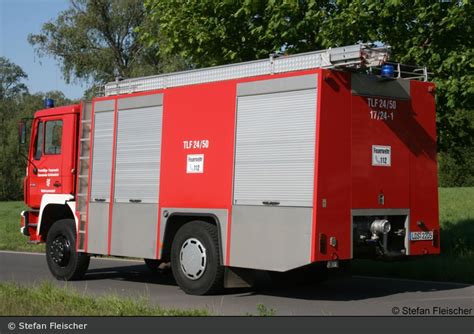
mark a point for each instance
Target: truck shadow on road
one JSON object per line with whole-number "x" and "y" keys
{"x": 133, "y": 273}
{"x": 338, "y": 289}
{"x": 354, "y": 288}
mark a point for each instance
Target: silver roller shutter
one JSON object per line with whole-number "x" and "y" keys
{"x": 275, "y": 143}
{"x": 102, "y": 156}
{"x": 137, "y": 166}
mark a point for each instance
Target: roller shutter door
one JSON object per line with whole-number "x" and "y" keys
{"x": 138, "y": 154}
{"x": 102, "y": 156}
{"x": 275, "y": 147}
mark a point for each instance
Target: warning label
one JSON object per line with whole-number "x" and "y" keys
{"x": 195, "y": 163}
{"x": 381, "y": 155}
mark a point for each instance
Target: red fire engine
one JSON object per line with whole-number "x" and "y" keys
{"x": 276, "y": 164}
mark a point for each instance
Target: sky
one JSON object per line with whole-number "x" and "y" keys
{"x": 19, "y": 18}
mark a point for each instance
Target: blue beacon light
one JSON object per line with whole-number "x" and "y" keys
{"x": 49, "y": 103}
{"x": 387, "y": 71}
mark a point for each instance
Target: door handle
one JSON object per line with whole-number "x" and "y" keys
{"x": 57, "y": 184}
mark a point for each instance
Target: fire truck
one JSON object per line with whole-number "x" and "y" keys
{"x": 291, "y": 162}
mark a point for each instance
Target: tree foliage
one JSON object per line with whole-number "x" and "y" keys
{"x": 12, "y": 89}
{"x": 437, "y": 34}
{"x": 11, "y": 77}
{"x": 95, "y": 40}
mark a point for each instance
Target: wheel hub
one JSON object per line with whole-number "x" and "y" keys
{"x": 193, "y": 258}
{"x": 60, "y": 250}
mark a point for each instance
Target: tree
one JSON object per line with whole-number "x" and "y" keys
{"x": 11, "y": 90}
{"x": 208, "y": 32}
{"x": 437, "y": 34}
{"x": 95, "y": 40}
{"x": 11, "y": 77}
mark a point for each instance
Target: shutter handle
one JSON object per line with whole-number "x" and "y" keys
{"x": 270, "y": 203}
{"x": 133, "y": 200}
{"x": 99, "y": 199}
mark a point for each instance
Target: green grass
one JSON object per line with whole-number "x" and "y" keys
{"x": 457, "y": 222}
{"x": 47, "y": 300}
{"x": 10, "y": 236}
{"x": 456, "y": 262}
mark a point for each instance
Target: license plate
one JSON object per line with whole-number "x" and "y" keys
{"x": 416, "y": 236}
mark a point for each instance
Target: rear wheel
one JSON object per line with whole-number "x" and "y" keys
{"x": 64, "y": 262}
{"x": 195, "y": 259}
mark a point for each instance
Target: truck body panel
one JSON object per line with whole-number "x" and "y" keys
{"x": 206, "y": 161}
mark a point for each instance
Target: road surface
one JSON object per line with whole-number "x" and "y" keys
{"x": 345, "y": 296}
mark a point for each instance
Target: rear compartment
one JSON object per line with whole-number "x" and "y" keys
{"x": 305, "y": 166}
{"x": 394, "y": 167}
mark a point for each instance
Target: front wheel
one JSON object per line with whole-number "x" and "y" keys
{"x": 195, "y": 259}
{"x": 64, "y": 262}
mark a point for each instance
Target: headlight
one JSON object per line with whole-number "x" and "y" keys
{"x": 380, "y": 226}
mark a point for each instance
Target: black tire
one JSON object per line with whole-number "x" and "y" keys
{"x": 211, "y": 279}
{"x": 61, "y": 239}
{"x": 153, "y": 265}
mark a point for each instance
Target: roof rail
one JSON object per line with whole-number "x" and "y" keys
{"x": 403, "y": 71}
{"x": 363, "y": 55}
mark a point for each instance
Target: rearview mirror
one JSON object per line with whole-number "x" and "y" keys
{"x": 22, "y": 132}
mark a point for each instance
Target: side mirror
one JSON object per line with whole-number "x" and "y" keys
{"x": 22, "y": 132}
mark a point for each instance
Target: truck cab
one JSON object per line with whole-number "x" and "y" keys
{"x": 51, "y": 168}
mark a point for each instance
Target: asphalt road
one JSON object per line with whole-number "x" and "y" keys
{"x": 345, "y": 296}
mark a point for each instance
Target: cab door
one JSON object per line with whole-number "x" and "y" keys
{"x": 52, "y": 157}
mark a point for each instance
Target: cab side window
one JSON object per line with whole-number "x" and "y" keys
{"x": 39, "y": 142}
{"x": 52, "y": 137}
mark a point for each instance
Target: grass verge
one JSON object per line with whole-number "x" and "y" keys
{"x": 456, "y": 262}
{"x": 10, "y": 236}
{"x": 48, "y": 300}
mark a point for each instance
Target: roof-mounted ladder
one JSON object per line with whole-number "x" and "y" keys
{"x": 354, "y": 56}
